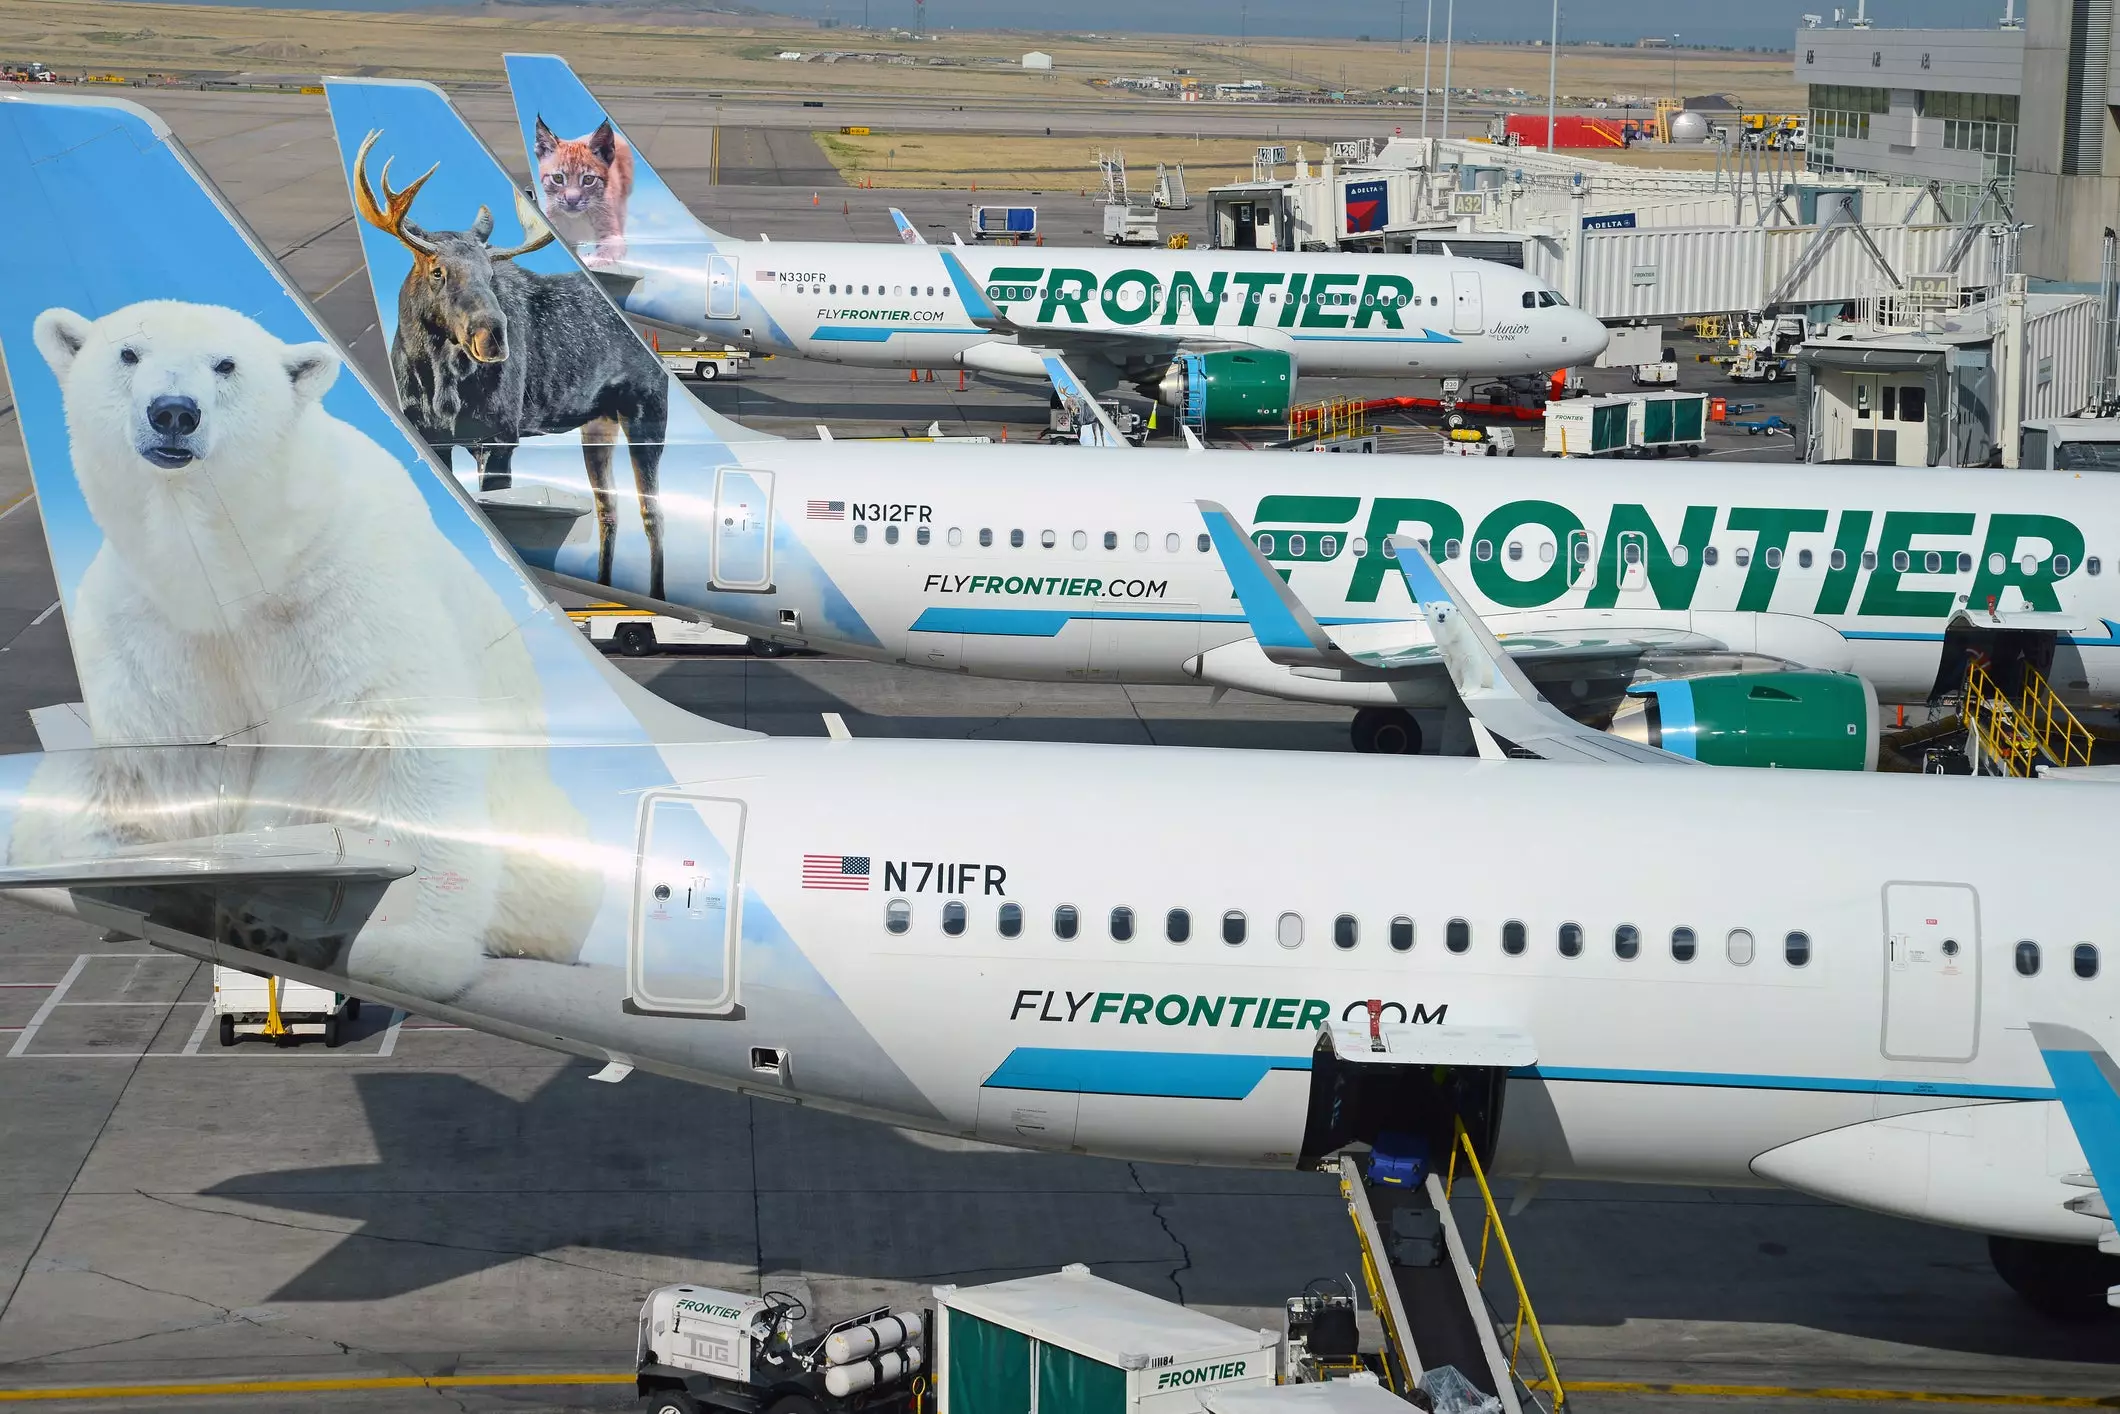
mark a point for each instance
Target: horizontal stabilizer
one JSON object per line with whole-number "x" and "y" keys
{"x": 308, "y": 852}
{"x": 1494, "y": 689}
{"x": 1287, "y": 633}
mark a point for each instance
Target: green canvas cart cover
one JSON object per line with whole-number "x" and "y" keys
{"x": 990, "y": 1367}
{"x": 1656, "y": 420}
{"x": 1075, "y": 1384}
{"x": 1692, "y": 418}
{"x": 1608, "y": 427}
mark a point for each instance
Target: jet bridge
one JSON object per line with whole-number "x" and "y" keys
{"x": 1426, "y": 1097}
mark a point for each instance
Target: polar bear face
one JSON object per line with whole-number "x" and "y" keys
{"x": 164, "y": 389}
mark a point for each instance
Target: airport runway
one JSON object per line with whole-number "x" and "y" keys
{"x": 431, "y": 1203}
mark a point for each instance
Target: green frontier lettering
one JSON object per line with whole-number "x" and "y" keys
{"x": 1389, "y": 515}
{"x": 1066, "y": 291}
{"x": 1252, "y": 286}
{"x": 1187, "y": 297}
{"x": 1491, "y": 574}
{"x": 1672, "y": 583}
{"x": 1294, "y": 520}
{"x": 1883, "y": 597}
{"x": 1381, "y": 297}
{"x": 1002, "y": 277}
{"x": 1200, "y": 1375}
{"x": 1118, "y": 313}
{"x": 1839, "y": 586}
{"x": 1292, "y": 302}
{"x": 1323, "y": 312}
{"x": 1774, "y": 525}
{"x": 2005, "y": 534}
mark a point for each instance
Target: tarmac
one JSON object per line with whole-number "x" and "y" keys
{"x": 428, "y": 1214}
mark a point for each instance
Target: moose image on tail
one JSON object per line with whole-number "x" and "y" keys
{"x": 487, "y": 353}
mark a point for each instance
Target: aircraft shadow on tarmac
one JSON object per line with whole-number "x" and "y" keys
{"x": 734, "y": 398}
{"x": 468, "y": 1179}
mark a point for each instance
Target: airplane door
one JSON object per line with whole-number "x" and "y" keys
{"x": 1932, "y": 972}
{"x": 687, "y": 906}
{"x": 1467, "y": 314}
{"x": 722, "y": 287}
{"x": 1580, "y": 554}
{"x": 743, "y": 528}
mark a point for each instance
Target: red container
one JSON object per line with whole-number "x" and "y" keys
{"x": 1569, "y": 130}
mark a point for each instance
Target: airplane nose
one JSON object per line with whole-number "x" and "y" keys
{"x": 1588, "y": 336}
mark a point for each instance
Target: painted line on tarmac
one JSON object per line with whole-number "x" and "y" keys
{"x": 18, "y": 1396}
{"x": 1852, "y": 1394}
{"x": 17, "y": 504}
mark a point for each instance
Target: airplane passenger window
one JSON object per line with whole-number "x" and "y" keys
{"x": 1710, "y": 555}
{"x": 1450, "y": 549}
{"x": 1141, "y": 542}
{"x": 861, "y": 533}
{"x": 1111, "y": 539}
{"x": 1516, "y": 549}
{"x": 1932, "y": 562}
{"x": 953, "y": 918}
{"x": 956, "y": 536}
{"x": 1170, "y": 543}
{"x": 1265, "y": 544}
{"x": 2027, "y": 958}
{"x": 2086, "y": 960}
{"x": 1902, "y": 561}
{"x": 931, "y": 291}
{"x": 2060, "y": 565}
{"x": 897, "y": 916}
{"x": 921, "y": 535}
{"x": 1681, "y": 944}
{"x": 1288, "y": 930}
{"x": 1869, "y": 559}
{"x": 1738, "y": 947}
{"x": 1204, "y": 543}
{"x": 832, "y": 289}
{"x": 1796, "y": 949}
{"x": 1015, "y": 539}
{"x": 1773, "y": 557}
{"x": 890, "y": 535}
{"x": 1803, "y": 559}
{"x": 1741, "y": 556}
{"x": 1328, "y": 546}
{"x": 2092, "y": 565}
{"x": 1122, "y": 924}
{"x": 1457, "y": 935}
{"x": 1048, "y": 539}
{"x": 1571, "y": 940}
{"x": 1010, "y": 920}
{"x": 2030, "y": 564}
{"x": 864, "y": 289}
{"x": 1345, "y": 931}
{"x": 1359, "y": 546}
{"x": 1233, "y": 927}
{"x": 1512, "y": 937}
{"x": 1402, "y": 934}
{"x": 1080, "y": 540}
{"x": 1177, "y": 925}
{"x": 1626, "y": 941}
{"x": 1483, "y": 550}
{"x": 1065, "y": 921}
{"x": 1837, "y": 560}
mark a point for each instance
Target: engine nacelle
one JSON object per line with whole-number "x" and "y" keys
{"x": 1811, "y": 720}
{"x": 1235, "y": 386}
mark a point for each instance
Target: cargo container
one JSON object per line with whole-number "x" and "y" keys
{"x": 1662, "y": 423}
{"x": 1069, "y": 1342}
{"x": 1588, "y": 427}
{"x": 991, "y": 223}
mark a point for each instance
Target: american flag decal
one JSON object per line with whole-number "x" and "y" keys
{"x": 828, "y": 510}
{"x": 764, "y": 275}
{"x": 836, "y": 871}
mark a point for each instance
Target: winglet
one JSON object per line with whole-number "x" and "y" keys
{"x": 1286, "y": 632}
{"x": 1494, "y": 689}
{"x": 2088, "y": 1083}
{"x": 1095, "y": 426}
{"x": 977, "y": 307}
{"x": 906, "y": 231}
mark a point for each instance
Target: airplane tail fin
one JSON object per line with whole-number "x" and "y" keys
{"x": 565, "y": 128}
{"x": 251, "y": 546}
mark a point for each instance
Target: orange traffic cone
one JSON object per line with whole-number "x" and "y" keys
{"x": 1004, "y": 431}
{"x": 813, "y": 198}
{"x": 912, "y": 375}
{"x": 842, "y": 208}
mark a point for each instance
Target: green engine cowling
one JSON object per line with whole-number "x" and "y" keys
{"x": 1812, "y": 721}
{"x": 1234, "y": 387}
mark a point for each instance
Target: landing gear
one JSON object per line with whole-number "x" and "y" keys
{"x": 2056, "y": 1279}
{"x": 1386, "y": 731}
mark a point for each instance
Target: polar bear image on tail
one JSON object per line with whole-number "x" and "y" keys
{"x": 270, "y": 576}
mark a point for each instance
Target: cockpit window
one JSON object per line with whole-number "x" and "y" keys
{"x": 1547, "y": 299}
{"x": 1531, "y": 300}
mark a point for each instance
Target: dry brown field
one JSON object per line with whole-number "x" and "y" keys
{"x": 643, "y": 44}
{"x": 927, "y": 159}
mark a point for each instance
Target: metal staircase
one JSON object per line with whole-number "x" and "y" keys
{"x": 2014, "y": 734}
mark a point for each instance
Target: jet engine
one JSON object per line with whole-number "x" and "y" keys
{"x": 1229, "y": 386}
{"x": 1814, "y": 720}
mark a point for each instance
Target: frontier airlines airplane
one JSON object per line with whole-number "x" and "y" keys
{"x": 1221, "y": 334}
{"x": 1746, "y": 595}
{"x": 292, "y": 762}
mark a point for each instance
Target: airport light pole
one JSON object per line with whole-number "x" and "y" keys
{"x": 1553, "y": 69}
{"x": 1427, "y": 56}
{"x": 1449, "y": 39}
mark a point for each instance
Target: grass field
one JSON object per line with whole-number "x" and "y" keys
{"x": 642, "y": 44}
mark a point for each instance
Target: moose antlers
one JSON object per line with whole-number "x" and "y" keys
{"x": 389, "y": 215}
{"x": 536, "y": 234}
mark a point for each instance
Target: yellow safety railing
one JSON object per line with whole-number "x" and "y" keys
{"x": 2016, "y": 735}
{"x": 1397, "y": 1369}
{"x": 1329, "y": 420}
{"x": 1526, "y": 1318}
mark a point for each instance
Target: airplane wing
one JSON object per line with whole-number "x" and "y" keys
{"x": 1115, "y": 347}
{"x": 906, "y": 231}
{"x": 1495, "y": 690}
{"x": 307, "y": 853}
{"x": 2088, "y": 1083}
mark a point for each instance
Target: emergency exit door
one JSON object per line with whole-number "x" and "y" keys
{"x": 1467, "y": 315}
{"x": 722, "y": 288}
{"x": 1931, "y": 972}
{"x": 687, "y": 905}
{"x": 743, "y": 529}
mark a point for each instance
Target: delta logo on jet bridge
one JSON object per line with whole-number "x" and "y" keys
{"x": 1133, "y": 296}
{"x": 1895, "y": 556}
